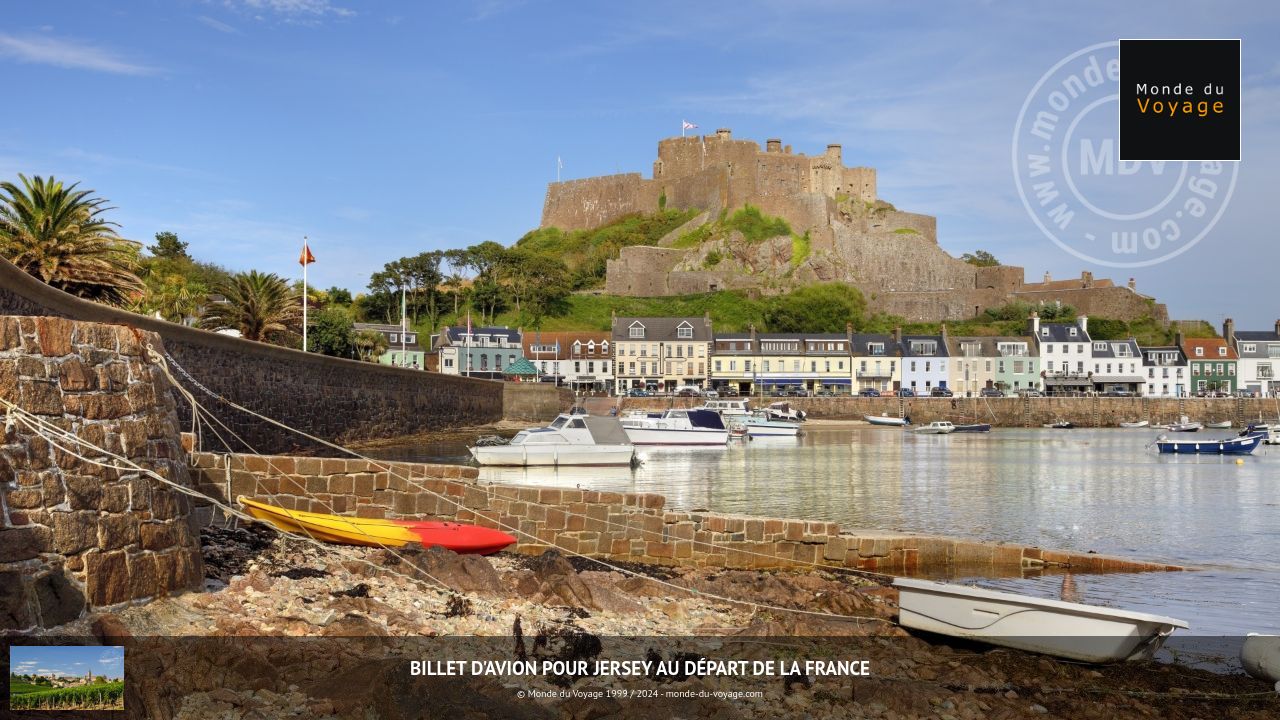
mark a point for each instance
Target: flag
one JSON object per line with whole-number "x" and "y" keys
{"x": 559, "y": 163}
{"x": 306, "y": 258}
{"x": 686, "y": 125}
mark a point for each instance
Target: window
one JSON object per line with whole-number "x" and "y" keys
{"x": 1080, "y": 349}
{"x": 1050, "y": 368}
{"x": 862, "y": 366}
{"x": 1264, "y": 371}
{"x": 395, "y": 337}
{"x": 448, "y": 362}
{"x": 999, "y": 366}
{"x": 924, "y": 347}
{"x": 1199, "y": 352}
{"x": 766, "y": 366}
{"x": 1122, "y": 350}
{"x": 746, "y": 366}
{"x": 411, "y": 339}
{"x": 733, "y": 365}
{"x": 913, "y": 368}
{"x": 1249, "y": 348}
{"x": 988, "y": 366}
{"x": 684, "y": 331}
{"x": 717, "y": 366}
{"x": 1231, "y": 368}
{"x": 577, "y": 367}
{"x": 1073, "y": 332}
{"x": 1099, "y": 347}
{"x": 1048, "y": 348}
{"x": 1273, "y": 350}
{"x": 637, "y": 330}
{"x": 1195, "y": 367}
{"x": 1044, "y": 332}
{"x": 1017, "y": 366}
{"x": 876, "y": 348}
{"x": 1222, "y": 352}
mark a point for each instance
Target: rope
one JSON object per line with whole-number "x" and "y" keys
{"x": 391, "y": 470}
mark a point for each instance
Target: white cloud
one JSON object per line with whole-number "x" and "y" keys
{"x": 217, "y": 25}
{"x": 64, "y": 53}
{"x": 299, "y": 11}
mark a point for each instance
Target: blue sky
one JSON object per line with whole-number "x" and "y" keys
{"x": 383, "y": 129}
{"x": 70, "y": 661}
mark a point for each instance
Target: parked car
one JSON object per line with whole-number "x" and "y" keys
{"x": 638, "y": 392}
{"x": 823, "y": 393}
{"x": 869, "y": 392}
{"x": 1117, "y": 393}
{"x": 711, "y": 394}
{"x": 1030, "y": 393}
{"x": 905, "y": 392}
{"x": 940, "y": 392}
{"x": 991, "y": 392}
{"x": 795, "y": 392}
{"x": 688, "y": 391}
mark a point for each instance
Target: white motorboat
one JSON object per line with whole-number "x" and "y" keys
{"x": 1135, "y": 424}
{"x": 1074, "y": 631}
{"x": 571, "y": 439}
{"x": 728, "y": 408}
{"x": 761, "y": 424}
{"x": 1270, "y": 433}
{"x": 886, "y": 420}
{"x": 675, "y": 427}
{"x": 1219, "y": 425}
{"x": 784, "y": 411}
{"x": 937, "y": 427}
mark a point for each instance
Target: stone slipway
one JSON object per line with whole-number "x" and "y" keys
{"x": 631, "y": 527}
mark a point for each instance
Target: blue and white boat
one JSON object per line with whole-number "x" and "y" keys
{"x": 1240, "y": 445}
{"x": 761, "y": 424}
{"x": 675, "y": 427}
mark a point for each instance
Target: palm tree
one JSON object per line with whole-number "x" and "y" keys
{"x": 57, "y": 233}
{"x": 256, "y": 304}
{"x": 371, "y": 344}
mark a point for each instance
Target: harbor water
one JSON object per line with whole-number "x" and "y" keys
{"x": 1105, "y": 491}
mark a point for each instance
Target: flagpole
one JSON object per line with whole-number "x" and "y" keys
{"x": 304, "y": 293}
{"x": 404, "y": 358}
{"x": 558, "y": 166}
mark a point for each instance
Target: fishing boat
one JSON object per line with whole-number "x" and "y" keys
{"x": 937, "y": 427}
{"x": 973, "y": 428}
{"x": 1135, "y": 424}
{"x": 887, "y": 421}
{"x": 675, "y": 427}
{"x": 728, "y": 408}
{"x": 1073, "y": 631}
{"x": 571, "y": 439}
{"x": 1219, "y": 425}
{"x": 1059, "y": 425}
{"x": 1239, "y": 445}
{"x": 1270, "y": 433}
{"x": 784, "y": 411}
{"x": 379, "y": 532}
{"x": 762, "y": 424}
{"x": 1184, "y": 424}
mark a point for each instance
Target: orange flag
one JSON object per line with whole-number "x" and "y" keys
{"x": 306, "y": 258}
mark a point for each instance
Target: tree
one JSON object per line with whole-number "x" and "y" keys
{"x": 169, "y": 247}
{"x": 259, "y": 305}
{"x": 484, "y": 258}
{"x": 981, "y": 258}
{"x": 538, "y": 280}
{"x": 332, "y": 332}
{"x": 370, "y": 344}
{"x": 58, "y": 234}
{"x": 173, "y": 296}
{"x": 825, "y": 307}
{"x": 422, "y": 273}
{"x": 339, "y": 296}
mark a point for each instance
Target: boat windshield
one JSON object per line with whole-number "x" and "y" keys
{"x": 560, "y": 421}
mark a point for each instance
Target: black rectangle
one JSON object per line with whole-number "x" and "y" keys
{"x": 1180, "y": 100}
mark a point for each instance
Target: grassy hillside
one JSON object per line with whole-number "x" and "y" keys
{"x": 729, "y": 310}
{"x": 584, "y": 252}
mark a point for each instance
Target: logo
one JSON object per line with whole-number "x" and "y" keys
{"x": 1075, "y": 187}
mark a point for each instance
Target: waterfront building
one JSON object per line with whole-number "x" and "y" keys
{"x": 1117, "y": 367}
{"x": 924, "y": 361}
{"x": 765, "y": 363}
{"x": 1167, "y": 371}
{"x": 483, "y": 352}
{"x": 1066, "y": 355}
{"x": 877, "y": 362}
{"x": 408, "y": 353}
{"x": 1004, "y": 363}
{"x": 660, "y": 353}
{"x": 1213, "y": 365}
{"x": 1259, "y": 358}
{"x": 581, "y": 360}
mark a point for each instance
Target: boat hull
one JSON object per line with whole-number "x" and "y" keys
{"x": 553, "y": 454}
{"x": 670, "y": 436}
{"x": 1067, "y": 630}
{"x": 1133, "y": 425}
{"x": 1260, "y": 657}
{"x": 885, "y": 420}
{"x": 1230, "y": 446}
{"x": 973, "y": 428}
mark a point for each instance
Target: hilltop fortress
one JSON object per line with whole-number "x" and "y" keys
{"x": 842, "y": 232}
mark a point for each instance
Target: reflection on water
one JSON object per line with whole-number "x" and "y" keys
{"x": 1099, "y": 490}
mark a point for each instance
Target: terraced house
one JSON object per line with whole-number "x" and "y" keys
{"x": 1004, "y": 363}
{"x": 876, "y": 362}
{"x": 1117, "y": 367}
{"x": 1259, "y": 359}
{"x": 660, "y": 353}
{"x": 1213, "y": 365}
{"x": 577, "y": 359}
{"x": 1066, "y": 357}
{"x": 924, "y": 362}
{"x": 764, "y": 363}
{"x": 1167, "y": 370}
{"x": 483, "y": 352}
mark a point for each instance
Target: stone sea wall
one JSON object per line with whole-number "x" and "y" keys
{"x": 75, "y": 536}
{"x": 633, "y": 527}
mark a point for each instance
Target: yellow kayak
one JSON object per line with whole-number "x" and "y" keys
{"x": 379, "y": 532}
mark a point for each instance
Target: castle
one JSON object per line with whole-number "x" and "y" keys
{"x": 849, "y": 235}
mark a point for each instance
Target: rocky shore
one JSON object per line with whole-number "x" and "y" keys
{"x": 287, "y": 629}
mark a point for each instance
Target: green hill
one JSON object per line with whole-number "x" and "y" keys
{"x": 585, "y": 252}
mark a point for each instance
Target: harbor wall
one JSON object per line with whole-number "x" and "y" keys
{"x": 332, "y": 398}
{"x": 634, "y": 527}
{"x": 76, "y": 536}
{"x": 1013, "y": 412}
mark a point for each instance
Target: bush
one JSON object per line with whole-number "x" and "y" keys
{"x": 756, "y": 226}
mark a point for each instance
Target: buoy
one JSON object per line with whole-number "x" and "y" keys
{"x": 1239, "y": 461}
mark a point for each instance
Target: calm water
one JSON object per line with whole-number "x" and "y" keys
{"x": 1099, "y": 490}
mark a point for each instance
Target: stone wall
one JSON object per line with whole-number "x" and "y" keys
{"x": 340, "y": 400}
{"x": 633, "y": 527}
{"x": 534, "y": 402}
{"x": 75, "y": 536}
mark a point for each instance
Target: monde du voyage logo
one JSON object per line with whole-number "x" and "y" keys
{"x": 1123, "y": 152}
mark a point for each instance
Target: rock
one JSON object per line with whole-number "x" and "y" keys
{"x": 73, "y": 532}
{"x": 108, "y": 578}
{"x": 110, "y": 629}
{"x": 461, "y": 573}
{"x": 1039, "y": 709}
{"x": 16, "y": 612}
{"x": 59, "y": 600}
{"x": 24, "y": 543}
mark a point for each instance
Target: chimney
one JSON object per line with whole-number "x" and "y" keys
{"x": 1278, "y": 327}
{"x": 897, "y": 334}
{"x": 752, "y": 328}
{"x": 943, "y": 330}
{"x": 786, "y": 150}
{"x": 1086, "y": 278}
{"x": 1033, "y": 323}
{"x": 773, "y": 145}
{"x": 1229, "y": 331}
{"x": 1083, "y": 323}
{"x": 848, "y": 333}
{"x": 1177, "y": 338}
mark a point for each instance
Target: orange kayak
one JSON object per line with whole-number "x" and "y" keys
{"x": 380, "y": 532}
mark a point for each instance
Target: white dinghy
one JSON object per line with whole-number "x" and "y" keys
{"x": 1074, "y": 631}
{"x": 1260, "y": 657}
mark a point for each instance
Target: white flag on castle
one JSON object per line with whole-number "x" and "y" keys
{"x": 686, "y": 125}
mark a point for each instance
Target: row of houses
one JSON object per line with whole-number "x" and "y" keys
{"x": 668, "y": 353}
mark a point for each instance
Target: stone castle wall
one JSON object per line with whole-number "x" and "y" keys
{"x": 75, "y": 536}
{"x": 635, "y": 527}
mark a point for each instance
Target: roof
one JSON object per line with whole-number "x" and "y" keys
{"x": 1061, "y": 332}
{"x": 1112, "y": 345}
{"x": 1148, "y": 349}
{"x": 989, "y": 344}
{"x": 1210, "y": 347}
{"x": 520, "y": 367}
{"x": 860, "y": 341}
{"x": 908, "y": 351}
{"x": 391, "y": 330}
{"x": 662, "y": 328}
{"x": 563, "y": 342}
{"x": 456, "y": 334}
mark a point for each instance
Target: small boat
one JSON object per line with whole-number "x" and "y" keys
{"x": 1270, "y": 433}
{"x": 675, "y": 427}
{"x": 1260, "y": 657}
{"x": 973, "y": 428}
{"x": 1239, "y": 445}
{"x": 887, "y": 421}
{"x": 1219, "y": 425}
{"x": 762, "y": 424}
{"x": 784, "y": 411}
{"x": 937, "y": 427}
{"x": 1059, "y": 425}
{"x": 1184, "y": 424}
{"x": 1135, "y": 424}
{"x": 571, "y": 439}
{"x": 1074, "y": 631}
{"x": 379, "y": 532}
